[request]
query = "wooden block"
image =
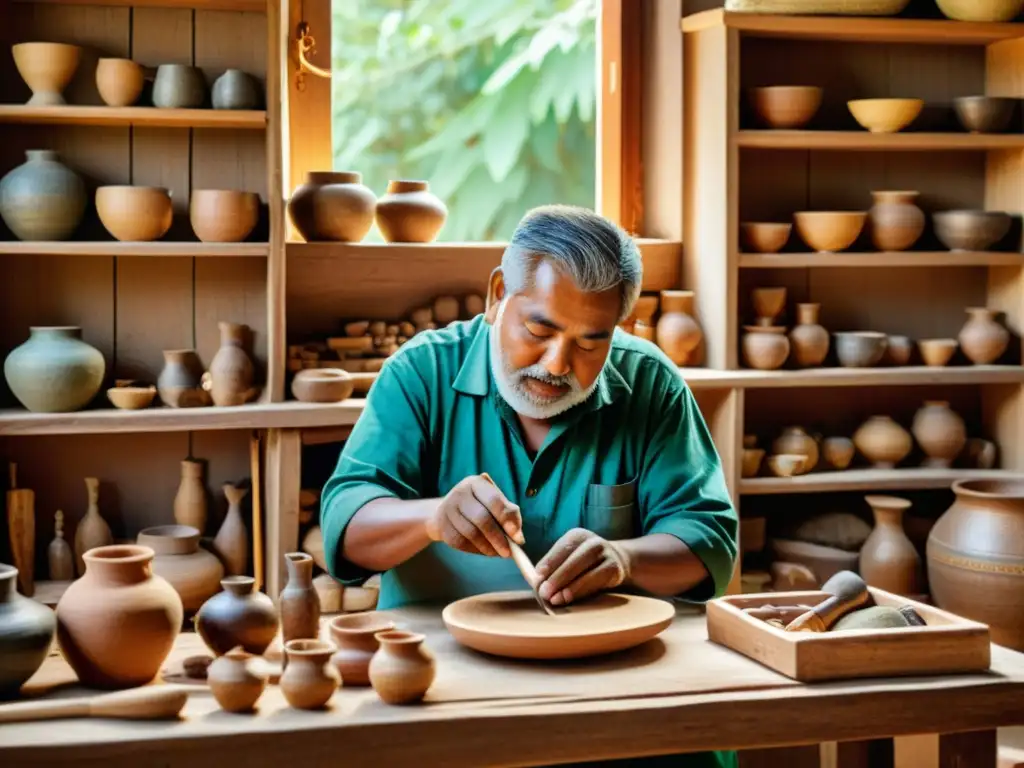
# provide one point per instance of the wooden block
(347, 344)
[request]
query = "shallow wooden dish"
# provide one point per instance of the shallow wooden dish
(512, 624)
(949, 645)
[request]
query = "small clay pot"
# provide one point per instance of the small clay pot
(235, 90)
(936, 353)
(752, 458)
(896, 223)
(332, 206)
(829, 231)
(888, 559)
(769, 303)
(194, 573)
(237, 616)
(322, 385)
(410, 213)
(838, 452)
(180, 381)
(178, 86)
(970, 230)
(46, 68)
(788, 464)
(785, 106)
(809, 340)
(223, 215)
(677, 332)
(796, 441)
(883, 442)
(765, 347)
(940, 432)
(860, 349)
(355, 637)
(135, 214)
(984, 114)
(299, 603)
(131, 398)
(235, 682)
(309, 680)
(119, 81)
(980, 453)
(403, 668)
(231, 371)
(983, 339)
(765, 237)
(898, 351)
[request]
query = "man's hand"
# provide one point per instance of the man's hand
(468, 519)
(580, 564)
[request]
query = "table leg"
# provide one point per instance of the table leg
(974, 749)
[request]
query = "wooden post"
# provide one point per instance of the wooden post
(283, 483)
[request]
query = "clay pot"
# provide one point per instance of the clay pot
(238, 616)
(808, 339)
(42, 199)
(677, 333)
(983, 339)
(860, 349)
(232, 541)
(178, 86)
(46, 68)
(235, 682)
(403, 669)
(883, 442)
(54, 371)
(888, 559)
(829, 231)
(937, 353)
(333, 206)
(981, 10)
(984, 114)
(940, 432)
(789, 464)
(786, 106)
(299, 604)
(769, 303)
(180, 381)
(119, 81)
(765, 237)
(231, 370)
(223, 215)
(644, 311)
(885, 115)
(194, 573)
(135, 214)
(309, 680)
(896, 221)
(322, 385)
(976, 557)
(190, 500)
(980, 453)
(118, 591)
(970, 230)
(898, 350)
(131, 398)
(26, 632)
(765, 347)
(354, 636)
(796, 441)
(92, 531)
(752, 458)
(838, 452)
(235, 90)
(410, 213)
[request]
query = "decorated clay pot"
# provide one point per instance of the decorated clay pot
(42, 199)
(323, 385)
(135, 214)
(178, 86)
(309, 680)
(410, 213)
(895, 221)
(983, 339)
(46, 68)
(232, 540)
(354, 636)
(796, 441)
(194, 573)
(235, 682)
(677, 332)
(403, 668)
(55, 371)
(231, 370)
(223, 215)
(26, 631)
(940, 432)
(299, 603)
(190, 500)
(118, 590)
(883, 442)
(180, 381)
(235, 90)
(237, 616)
(808, 339)
(333, 205)
(765, 347)
(976, 557)
(119, 81)
(888, 559)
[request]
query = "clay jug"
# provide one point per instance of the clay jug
(982, 338)
(299, 602)
(403, 669)
(975, 557)
(42, 199)
(354, 636)
(190, 500)
(55, 371)
(309, 680)
(333, 205)
(178, 86)
(118, 591)
(235, 90)
(235, 682)
(93, 530)
(888, 559)
(232, 540)
(809, 340)
(677, 332)
(410, 213)
(940, 432)
(796, 441)
(765, 347)
(59, 555)
(883, 442)
(194, 573)
(26, 631)
(896, 222)
(231, 370)
(237, 616)
(180, 381)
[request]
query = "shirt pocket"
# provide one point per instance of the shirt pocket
(610, 510)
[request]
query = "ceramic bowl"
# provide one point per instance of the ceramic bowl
(860, 349)
(970, 230)
(135, 214)
(786, 106)
(981, 10)
(937, 353)
(788, 464)
(768, 302)
(752, 458)
(830, 231)
(898, 350)
(119, 81)
(765, 237)
(984, 114)
(322, 385)
(131, 398)
(46, 68)
(885, 115)
(223, 215)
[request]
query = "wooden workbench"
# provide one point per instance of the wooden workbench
(677, 693)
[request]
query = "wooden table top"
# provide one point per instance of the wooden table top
(678, 693)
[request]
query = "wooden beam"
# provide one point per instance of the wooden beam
(283, 484)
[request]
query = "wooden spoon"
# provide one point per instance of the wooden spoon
(150, 703)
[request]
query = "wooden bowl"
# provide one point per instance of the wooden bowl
(131, 398)
(223, 215)
(786, 106)
(136, 214)
(322, 385)
(830, 231)
(119, 81)
(765, 237)
(981, 10)
(788, 464)
(937, 353)
(46, 68)
(885, 115)
(860, 349)
(984, 114)
(970, 230)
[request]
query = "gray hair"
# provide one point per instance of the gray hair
(596, 253)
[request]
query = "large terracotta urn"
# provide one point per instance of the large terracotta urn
(888, 559)
(809, 341)
(677, 332)
(883, 442)
(194, 573)
(231, 370)
(410, 213)
(975, 557)
(983, 339)
(334, 206)
(940, 431)
(26, 631)
(42, 199)
(895, 221)
(55, 371)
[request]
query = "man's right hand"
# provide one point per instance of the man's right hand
(471, 518)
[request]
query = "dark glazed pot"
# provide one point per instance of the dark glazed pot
(333, 206)
(26, 631)
(237, 616)
(984, 114)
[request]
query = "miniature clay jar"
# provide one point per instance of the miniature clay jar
(190, 500)
(975, 557)
(231, 370)
(888, 559)
(895, 221)
(838, 452)
(354, 636)
(42, 199)
(334, 206)
(808, 339)
(223, 215)
(752, 458)
(677, 332)
(410, 213)
(860, 349)
(232, 540)
(235, 90)
(235, 682)
(898, 350)
(26, 632)
(178, 86)
(46, 68)
(180, 381)
(883, 442)
(403, 668)
(940, 432)
(982, 338)
(309, 680)
(119, 81)
(194, 573)
(796, 441)
(55, 371)
(299, 603)
(765, 347)
(118, 592)
(134, 214)
(322, 385)
(237, 616)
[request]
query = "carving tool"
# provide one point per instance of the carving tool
(152, 702)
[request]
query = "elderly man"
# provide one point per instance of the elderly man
(603, 467)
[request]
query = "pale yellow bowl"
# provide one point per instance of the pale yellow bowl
(885, 115)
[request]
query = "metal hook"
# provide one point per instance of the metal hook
(306, 45)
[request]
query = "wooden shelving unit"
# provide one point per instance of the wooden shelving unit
(140, 117)
(867, 480)
(880, 259)
(863, 141)
(248, 6)
(118, 249)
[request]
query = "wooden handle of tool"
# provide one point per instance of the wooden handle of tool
(149, 703)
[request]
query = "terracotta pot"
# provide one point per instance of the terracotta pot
(898, 350)
(981, 10)
(235, 90)
(26, 632)
(410, 213)
(983, 339)
(644, 310)
(883, 442)
(403, 669)
(46, 68)
(235, 682)
(829, 231)
(231, 370)
(888, 559)
(786, 106)
(333, 206)
(976, 557)
(752, 458)
(135, 214)
(354, 636)
(299, 604)
(118, 590)
(232, 540)
(860, 349)
(808, 339)
(180, 381)
(940, 432)
(190, 500)
(223, 215)
(194, 573)
(119, 81)
(937, 353)
(238, 616)
(769, 303)
(765, 347)
(795, 440)
(765, 237)
(322, 385)
(838, 452)
(896, 221)
(985, 114)
(971, 230)
(309, 680)
(54, 371)
(42, 199)
(92, 531)
(677, 333)
(178, 86)
(885, 115)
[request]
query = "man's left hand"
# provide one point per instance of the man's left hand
(580, 564)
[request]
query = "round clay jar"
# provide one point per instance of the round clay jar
(355, 637)
(26, 631)
(238, 616)
(333, 206)
(403, 668)
(410, 213)
(896, 222)
(309, 680)
(234, 682)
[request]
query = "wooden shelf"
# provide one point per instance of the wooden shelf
(253, 6)
(913, 479)
(906, 141)
(703, 378)
(118, 248)
(881, 259)
(149, 117)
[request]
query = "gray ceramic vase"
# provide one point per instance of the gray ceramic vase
(178, 86)
(26, 632)
(42, 199)
(55, 371)
(235, 90)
